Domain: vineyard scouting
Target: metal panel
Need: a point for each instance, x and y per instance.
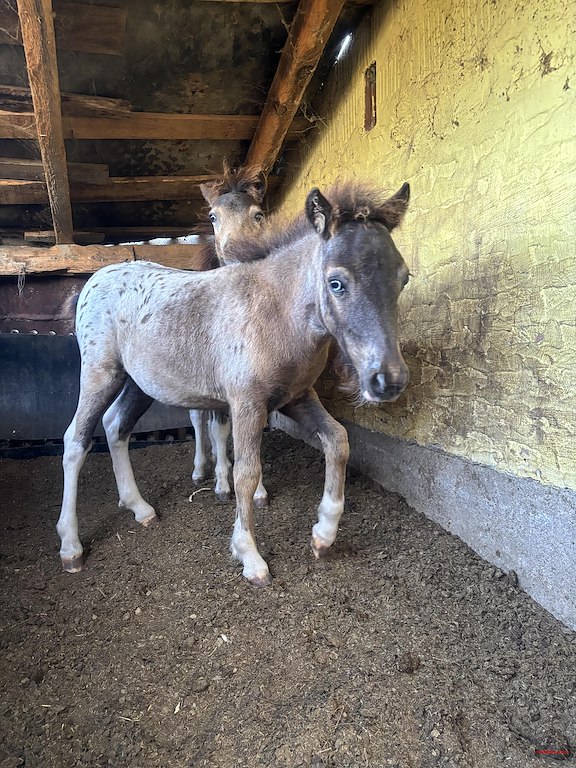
(38, 303)
(39, 383)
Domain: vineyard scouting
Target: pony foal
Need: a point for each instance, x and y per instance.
(235, 201)
(253, 337)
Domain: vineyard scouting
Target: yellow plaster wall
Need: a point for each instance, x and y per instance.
(476, 108)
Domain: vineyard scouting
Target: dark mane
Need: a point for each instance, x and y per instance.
(351, 201)
(356, 201)
(208, 258)
(244, 179)
(247, 179)
(276, 233)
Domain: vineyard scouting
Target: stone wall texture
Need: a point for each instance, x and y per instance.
(476, 109)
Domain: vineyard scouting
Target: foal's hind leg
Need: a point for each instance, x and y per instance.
(119, 421)
(98, 387)
(198, 419)
(309, 413)
(219, 425)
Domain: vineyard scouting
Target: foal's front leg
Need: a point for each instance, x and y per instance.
(309, 413)
(248, 421)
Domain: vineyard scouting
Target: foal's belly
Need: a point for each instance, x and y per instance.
(174, 390)
(197, 402)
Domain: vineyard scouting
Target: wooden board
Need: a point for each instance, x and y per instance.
(115, 189)
(87, 28)
(15, 125)
(47, 237)
(19, 236)
(37, 29)
(32, 170)
(18, 99)
(145, 125)
(83, 259)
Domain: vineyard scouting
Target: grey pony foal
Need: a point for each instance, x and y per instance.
(253, 337)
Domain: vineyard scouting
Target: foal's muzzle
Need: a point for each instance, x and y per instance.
(386, 384)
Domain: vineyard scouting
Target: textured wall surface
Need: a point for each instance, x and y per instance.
(476, 109)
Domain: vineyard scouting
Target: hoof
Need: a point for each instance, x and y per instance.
(223, 495)
(150, 522)
(197, 479)
(319, 547)
(73, 564)
(261, 502)
(261, 581)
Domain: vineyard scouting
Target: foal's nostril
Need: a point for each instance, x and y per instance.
(378, 383)
(387, 389)
(394, 389)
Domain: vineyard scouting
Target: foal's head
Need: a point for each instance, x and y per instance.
(235, 203)
(363, 275)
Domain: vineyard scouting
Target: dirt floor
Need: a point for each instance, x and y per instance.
(401, 648)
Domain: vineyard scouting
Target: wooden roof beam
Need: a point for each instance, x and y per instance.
(33, 170)
(37, 27)
(15, 98)
(286, 2)
(118, 235)
(144, 125)
(86, 28)
(116, 189)
(94, 235)
(308, 36)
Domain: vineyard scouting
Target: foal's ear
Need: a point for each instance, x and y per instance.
(319, 212)
(210, 193)
(259, 187)
(396, 206)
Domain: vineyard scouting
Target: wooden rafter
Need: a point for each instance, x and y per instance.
(83, 259)
(143, 125)
(285, 2)
(18, 99)
(309, 33)
(116, 189)
(86, 28)
(46, 237)
(117, 234)
(37, 28)
(100, 234)
(32, 170)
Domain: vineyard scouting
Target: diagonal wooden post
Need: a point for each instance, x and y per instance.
(37, 28)
(309, 33)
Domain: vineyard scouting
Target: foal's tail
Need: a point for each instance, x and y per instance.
(69, 311)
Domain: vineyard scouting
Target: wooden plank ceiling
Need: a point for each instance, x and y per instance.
(110, 117)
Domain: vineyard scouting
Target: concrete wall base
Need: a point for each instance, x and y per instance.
(516, 524)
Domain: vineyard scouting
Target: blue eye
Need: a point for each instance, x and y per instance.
(336, 286)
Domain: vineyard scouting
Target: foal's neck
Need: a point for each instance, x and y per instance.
(295, 274)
